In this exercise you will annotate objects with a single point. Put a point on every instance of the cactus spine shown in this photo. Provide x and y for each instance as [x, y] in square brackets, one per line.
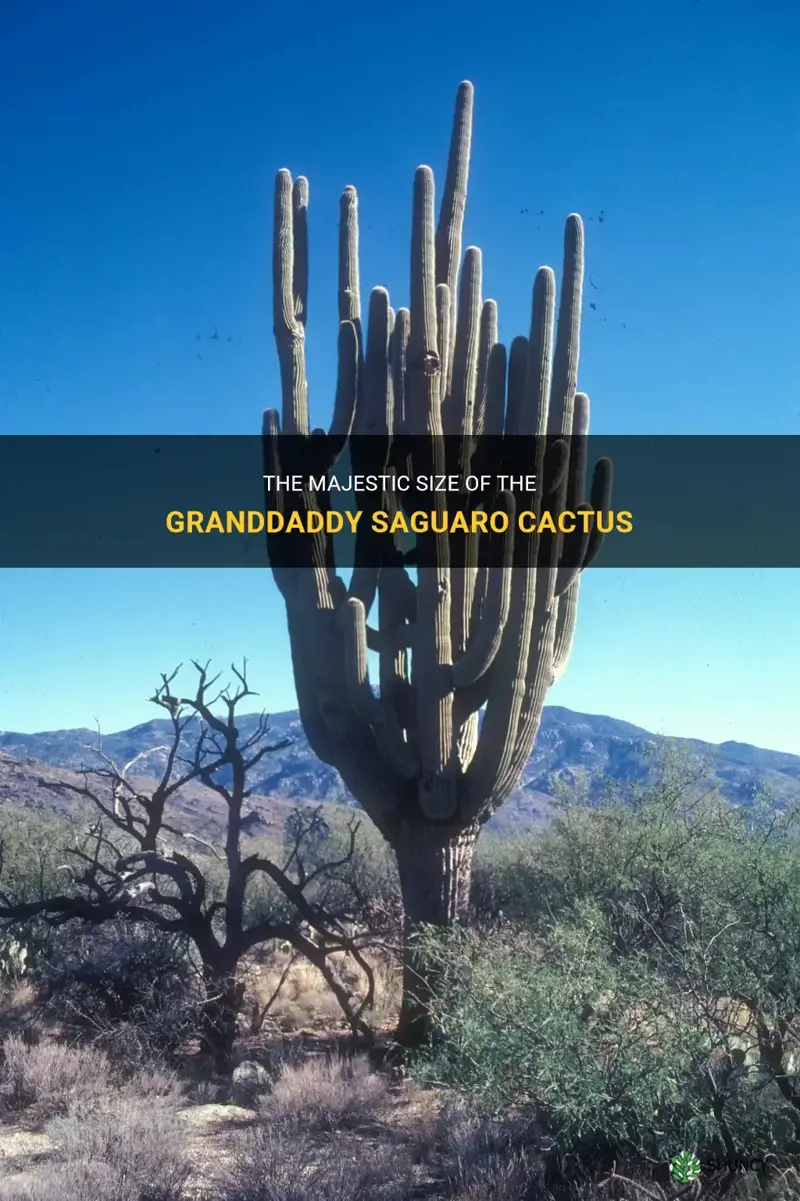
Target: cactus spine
[462, 638]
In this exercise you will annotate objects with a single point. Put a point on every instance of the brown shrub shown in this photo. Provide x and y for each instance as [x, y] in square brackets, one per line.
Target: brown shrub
[76, 1182]
[509, 1177]
[326, 1094]
[140, 1139]
[268, 1166]
[50, 1077]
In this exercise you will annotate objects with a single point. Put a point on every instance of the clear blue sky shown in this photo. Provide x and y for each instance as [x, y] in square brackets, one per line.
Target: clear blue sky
[138, 147]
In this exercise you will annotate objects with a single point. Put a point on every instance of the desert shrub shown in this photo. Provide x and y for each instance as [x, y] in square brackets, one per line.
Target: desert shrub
[641, 990]
[56, 1182]
[134, 990]
[513, 1019]
[362, 890]
[497, 1177]
[499, 878]
[128, 1148]
[139, 1138]
[270, 1165]
[33, 850]
[32, 856]
[370, 878]
[50, 1077]
[326, 1093]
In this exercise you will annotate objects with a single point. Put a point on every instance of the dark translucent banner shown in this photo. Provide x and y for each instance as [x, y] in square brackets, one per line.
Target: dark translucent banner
[75, 501]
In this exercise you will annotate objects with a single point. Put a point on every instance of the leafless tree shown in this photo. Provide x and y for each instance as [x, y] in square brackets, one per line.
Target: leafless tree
[135, 865]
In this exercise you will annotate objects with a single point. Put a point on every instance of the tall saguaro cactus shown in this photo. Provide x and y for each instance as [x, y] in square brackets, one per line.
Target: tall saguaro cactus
[490, 633]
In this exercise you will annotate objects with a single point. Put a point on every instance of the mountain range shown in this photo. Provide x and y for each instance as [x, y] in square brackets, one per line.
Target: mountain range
[572, 749]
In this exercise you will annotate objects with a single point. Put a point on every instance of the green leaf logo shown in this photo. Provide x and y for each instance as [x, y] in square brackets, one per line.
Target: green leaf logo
[684, 1167]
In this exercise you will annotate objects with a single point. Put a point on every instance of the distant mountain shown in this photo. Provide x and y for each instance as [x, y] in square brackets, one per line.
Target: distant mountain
[572, 748]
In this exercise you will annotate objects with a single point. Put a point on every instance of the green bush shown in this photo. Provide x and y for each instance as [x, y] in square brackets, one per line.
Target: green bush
[363, 888]
[32, 848]
[638, 990]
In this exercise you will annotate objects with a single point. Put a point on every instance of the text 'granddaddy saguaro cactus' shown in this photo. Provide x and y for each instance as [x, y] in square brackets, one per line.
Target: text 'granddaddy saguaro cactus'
[484, 637]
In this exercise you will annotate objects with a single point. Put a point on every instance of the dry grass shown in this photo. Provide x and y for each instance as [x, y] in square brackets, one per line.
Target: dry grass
[113, 1141]
[139, 1138]
[326, 1093]
[498, 1178]
[304, 999]
[270, 1166]
[49, 1078]
[78, 1182]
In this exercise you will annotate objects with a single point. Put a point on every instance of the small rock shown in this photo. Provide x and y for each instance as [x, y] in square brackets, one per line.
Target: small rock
[215, 1115]
[249, 1082]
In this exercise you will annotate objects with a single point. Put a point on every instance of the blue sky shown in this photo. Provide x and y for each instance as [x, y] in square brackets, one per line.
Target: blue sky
[138, 147]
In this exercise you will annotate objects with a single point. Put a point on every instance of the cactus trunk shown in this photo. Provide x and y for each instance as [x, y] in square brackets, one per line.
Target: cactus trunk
[484, 634]
[435, 868]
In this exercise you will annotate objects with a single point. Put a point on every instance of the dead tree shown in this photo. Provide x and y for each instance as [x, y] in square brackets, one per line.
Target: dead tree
[136, 866]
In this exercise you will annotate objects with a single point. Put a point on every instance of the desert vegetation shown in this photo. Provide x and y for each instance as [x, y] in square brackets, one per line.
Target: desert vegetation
[210, 907]
[623, 987]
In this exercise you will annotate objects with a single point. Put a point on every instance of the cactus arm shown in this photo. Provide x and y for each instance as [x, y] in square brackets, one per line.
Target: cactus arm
[451, 216]
[490, 417]
[487, 340]
[488, 629]
[346, 392]
[577, 544]
[300, 256]
[396, 753]
[349, 285]
[375, 415]
[602, 484]
[432, 659]
[369, 452]
[517, 366]
[498, 742]
[396, 637]
[457, 418]
[398, 356]
[424, 356]
[538, 373]
[567, 351]
[289, 332]
[566, 620]
[458, 406]
[323, 743]
[349, 298]
[444, 311]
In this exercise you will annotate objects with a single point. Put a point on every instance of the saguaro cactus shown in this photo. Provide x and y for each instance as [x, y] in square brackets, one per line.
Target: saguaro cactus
[490, 633]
